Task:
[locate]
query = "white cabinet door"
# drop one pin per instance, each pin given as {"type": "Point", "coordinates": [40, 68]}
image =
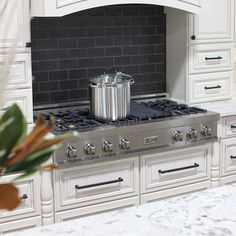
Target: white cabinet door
{"type": "Point", "coordinates": [14, 21]}
{"type": "Point", "coordinates": [215, 23]}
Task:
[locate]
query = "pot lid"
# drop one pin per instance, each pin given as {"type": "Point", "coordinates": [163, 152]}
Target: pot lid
{"type": "Point", "coordinates": [111, 77]}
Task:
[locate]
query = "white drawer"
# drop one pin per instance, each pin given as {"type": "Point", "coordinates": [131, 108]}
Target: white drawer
{"type": "Point", "coordinates": [211, 58]}
{"type": "Point", "coordinates": [228, 157]}
{"type": "Point", "coordinates": [210, 87]}
{"type": "Point", "coordinates": [19, 225]}
{"type": "Point", "coordinates": [19, 74]}
{"type": "Point", "coordinates": [230, 126]}
{"type": "Point", "coordinates": [30, 204]}
{"type": "Point", "coordinates": [96, 209]}
{"type": "Point", "coordinates": [23, 98]}
{"type": "Point", "coordinates": [174, 168]}
{"type": "Point", "coordinates": [174, 192]}
{"type": "Point", "coordinates": [96, 183]}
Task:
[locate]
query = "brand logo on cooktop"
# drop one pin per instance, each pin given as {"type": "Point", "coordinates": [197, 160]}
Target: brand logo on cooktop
{"type": "Point", "coordinates": [151, 140]}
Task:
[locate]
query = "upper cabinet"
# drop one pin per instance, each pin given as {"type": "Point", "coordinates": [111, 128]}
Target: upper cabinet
{"type": "Point", "coordinates": [65, 7]}
{"type": "Point", "coordinates": [215, 22]}
{"type": "Point", "coordinates": [14, 22]}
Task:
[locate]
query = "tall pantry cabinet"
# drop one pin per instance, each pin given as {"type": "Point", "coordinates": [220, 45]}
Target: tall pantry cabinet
{"type": "Point", "coordinates": [15, 22]}
{"type": "Point", "coordinates": [200, 53]}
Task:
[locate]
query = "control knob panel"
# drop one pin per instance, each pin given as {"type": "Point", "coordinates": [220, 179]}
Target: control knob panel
{"type": "Point", "coordinates": [124, 144]}
{"type": "Point", "coordinates": [178, 136]}
{"type": "Point", "coordinates": [90, 149]}
{"type": "Point", "coordinates": [192, 133]}
{"type": "Point", "coordinates": [107, 146]}
{"type": "Point", "coordinates": [206, 131]}
{"type": "Point", "coordinates": [71, 152]}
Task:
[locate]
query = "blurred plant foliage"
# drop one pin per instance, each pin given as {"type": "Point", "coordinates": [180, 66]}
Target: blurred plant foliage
{"type": "Point", "coordinates": [22, 152]}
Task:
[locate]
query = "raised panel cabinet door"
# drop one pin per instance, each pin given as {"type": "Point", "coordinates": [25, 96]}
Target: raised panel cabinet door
{"type": "Point", "coordinates": [14, 22]}
{"type": "Point", "coordinates": [215, 22]}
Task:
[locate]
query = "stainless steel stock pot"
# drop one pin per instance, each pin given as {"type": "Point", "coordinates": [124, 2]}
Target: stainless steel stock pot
{"type": "Point", "coordinates": [110, 95]}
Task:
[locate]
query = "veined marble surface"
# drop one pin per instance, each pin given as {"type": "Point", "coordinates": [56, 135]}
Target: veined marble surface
{"type": "Point", "coordinates": [208, 213]}
{"type": "Point", "coordinates": [225, 108]}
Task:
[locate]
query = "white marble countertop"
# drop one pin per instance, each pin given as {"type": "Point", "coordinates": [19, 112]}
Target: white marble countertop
{"type": "Point", "coordinates": [225, 108]}
{"type": "Point", "coordinates": [211, 213]}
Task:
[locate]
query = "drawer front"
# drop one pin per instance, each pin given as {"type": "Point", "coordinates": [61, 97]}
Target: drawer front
{"type": "Point", "coordinates": [96, 183]}
{"type": "Point", "coordinates": [10, 228]}
{"type": "Point", "coordinates": [210, 87]}
{"type": "Point", "coordinates": [230, 126]}
{"type": "Point", "coordinates": [174, 168]}
{"type": "Point", "coordinates": [23, 98]}
{"type": "Point", "coordinates": [19, 74]}
{"type": "Point", "coordinates": [30, 203]}
{"type": "Point", "coordinates": [228, 156]}
{"type": "Point", "coordinates": [174, 192]}
{"type": "Point", "coordinates": [96, 209]}
{"type": "Point", "coordinates": [211, 58]}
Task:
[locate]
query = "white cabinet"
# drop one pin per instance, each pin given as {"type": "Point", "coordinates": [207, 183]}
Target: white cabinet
{"type": "Point", "coordinates": [96, 209]}
{"type": "Point", "coordinates": [97, 183]}
{"type": "Point", "coordinates": [19, 74]}
{"type": "Point", "coordinates": [204, 58]}
{"type": "Point", "coordinates": [215, 23]}
{"type": "Point", "coordinates": [19, 225]}
{"type": "Point", "coordinates": [173, 192]}
{"type": "Point", "coordinates": [179, 167]}
{"type": "Point", "coordinates": [205, 48]}
{"type": "Point", "coordinates": [14, 21]}
{"type": "Point", "coordinates": [30, 194]}
{"type": "Point", "coordinates": [210, 87]}
{"type": "Point", "coordinates": [65, 7]}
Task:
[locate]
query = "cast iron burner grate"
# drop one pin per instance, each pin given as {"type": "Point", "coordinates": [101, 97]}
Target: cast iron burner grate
{"type": "Point", "coordinates": [81, 120]}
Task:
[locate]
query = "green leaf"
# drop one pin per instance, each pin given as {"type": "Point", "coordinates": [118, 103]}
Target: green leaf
{"type": "Point", "coordinates": [13, 129]}
{"type": "Point", "coordinates": [33, 160]}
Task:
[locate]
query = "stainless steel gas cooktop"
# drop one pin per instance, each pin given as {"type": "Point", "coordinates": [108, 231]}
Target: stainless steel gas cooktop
{"type": "Point", "coordinates": [150, 125]}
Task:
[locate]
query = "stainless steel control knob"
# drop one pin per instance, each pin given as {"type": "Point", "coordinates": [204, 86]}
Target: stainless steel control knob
{"type": "Point", "coordinates": [178, 136]}
{"type": "Point", "coordinates": [107, 146]}
{"type": "Point", "coordinates": [192, 134]}
{"type": "Point", "coordinates": [71, 152]}
{"type": "Point", "coordinates": [206, 131]}
{"type": "Point", "coordinates": [124, 144]}
{"type": "Point", "coordinates": [90, 149]}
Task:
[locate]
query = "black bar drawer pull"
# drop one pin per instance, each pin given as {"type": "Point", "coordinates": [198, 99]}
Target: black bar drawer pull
{"type": "Point", "coordinates": [178, 169]}
{"type": "Point", "coordinates": [233, 157]}
{"type": "Point", "coordinates": [213, 87]}
{"type": "Point", "coordinates": [24, 196]}
{"type": "Point", "coordinates": [233, 126]}
{"type": "Point", "coordinates": [100, 184]}
{"type": "Point", "coordinates": [213, 58]}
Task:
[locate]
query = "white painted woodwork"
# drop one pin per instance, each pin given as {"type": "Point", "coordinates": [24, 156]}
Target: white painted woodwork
{"type": "Point", "coordinates": [152, 180]}
{"type": "Point", "coordinates": [23, 224]}
{"type": "Point", "coordinates": [67, 196]}
{"type": "Point", "coordinates": [174, 192]}
{"type": "Point", "coordinates": [15, 16]}
{"type": "Point", "coordinates": [65, 7]}
{"type": "Point", "coordinates": [96, 209]}
{"type": "Point", "coordinates": [47, 199]}
{"type": "Point", "coordinates": [228, 151]}
{"type": "Point", "coordinates": [199, 54]}
{"type": "Point", "coordinates": [198, 84]}
{"type": "Point", "coordinates": [29, 207]}
{"type": "Point", "coordinates": [19, 74]}
{"type": "Point", "coordinates": [214, 23]}
{"type": "Point", "coordinates": [229, 130]}
{"type": "Point", "coordinates": [231, 179]}
{"type": "Point", "coordinates": [22, 97]}
{"type": "Point", "coordinates": [215, 164]}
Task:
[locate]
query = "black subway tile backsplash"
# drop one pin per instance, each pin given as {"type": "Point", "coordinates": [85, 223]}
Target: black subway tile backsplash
{"type": "Point", "coordinates": [67, 51]}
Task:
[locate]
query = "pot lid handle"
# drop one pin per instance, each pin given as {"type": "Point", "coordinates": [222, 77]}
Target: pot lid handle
{"type": "Point", "coordinates": [110, 71]}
